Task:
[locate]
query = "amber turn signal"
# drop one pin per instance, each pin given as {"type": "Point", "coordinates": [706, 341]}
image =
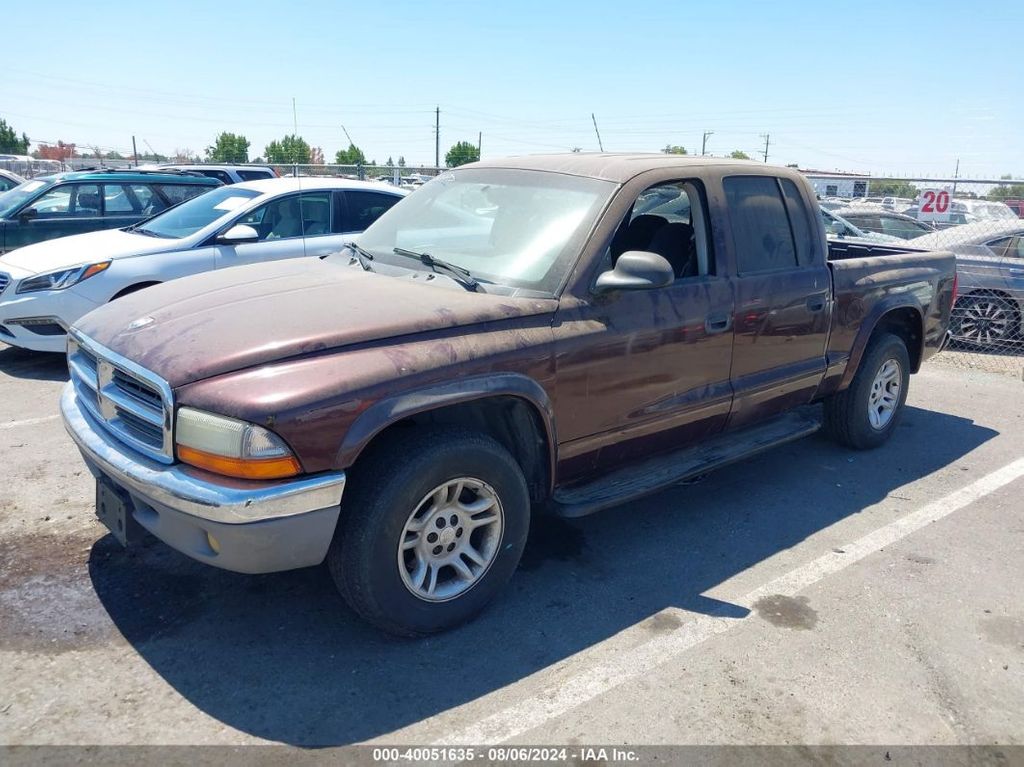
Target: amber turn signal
{"type": "Point", "coordinates": [243, 468]}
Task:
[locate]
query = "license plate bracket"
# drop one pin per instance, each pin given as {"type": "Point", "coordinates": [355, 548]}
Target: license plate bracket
{"type": "Point", "coordinates": [114, 509]}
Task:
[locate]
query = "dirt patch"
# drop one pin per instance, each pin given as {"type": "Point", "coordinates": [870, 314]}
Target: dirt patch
{"type": "Point", "coordinates": [1004, 630]}
{"type": "Point", "coordinates": [787, 612]}
{"type": "Point", "coordinates": [662, 623]}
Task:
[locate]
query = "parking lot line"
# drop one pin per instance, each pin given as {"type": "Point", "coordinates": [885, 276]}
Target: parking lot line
{"type": "Point", "coordinates": [574, 691]}
{"type": "Point", "coordinates": [29, 421]}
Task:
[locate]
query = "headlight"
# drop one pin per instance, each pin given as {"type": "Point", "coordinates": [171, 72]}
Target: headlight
{"type": "Point", "coordinates": [65, 278]}
{"type": "Point", "coordinates": [232, 447]}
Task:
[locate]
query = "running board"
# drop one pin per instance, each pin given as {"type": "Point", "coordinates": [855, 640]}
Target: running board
{"type": "Point", "coordinates": [654, 474]}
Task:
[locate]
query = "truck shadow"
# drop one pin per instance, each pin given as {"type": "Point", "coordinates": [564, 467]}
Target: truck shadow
{"type": "Point", "coordinates": [280, 657]}
{"type": "Point", "coordinates": [34, 366]}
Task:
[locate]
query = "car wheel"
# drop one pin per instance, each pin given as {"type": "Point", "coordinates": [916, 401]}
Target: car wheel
{"type": "Point", "coordinates": [984, 320]}
{"type": "Point", "coordinates": [864, 414]}
{"type": "Point", "coordinates": [432, 527]}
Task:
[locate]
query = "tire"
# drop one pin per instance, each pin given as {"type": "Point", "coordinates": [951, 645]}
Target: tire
{"type": "Point", "coordinates": [848, 414]}
{"type": "Point", "coordinates": [398, 486]}
{"type": "Point", "coordinates": [984, 320]}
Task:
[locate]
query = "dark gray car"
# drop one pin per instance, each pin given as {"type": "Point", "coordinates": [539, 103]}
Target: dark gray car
{"type": "Point", "coordinates": [990, 269]}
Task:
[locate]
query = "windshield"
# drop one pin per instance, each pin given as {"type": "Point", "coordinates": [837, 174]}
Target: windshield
{"type": "Point", "coordinates": [197, 213]}
{"type": "Point", "coordinates": [514, 227]}
{"type": "Point", "coordinates": [993, 212]}
{"type": "Point", "coordinates": [13, 199]}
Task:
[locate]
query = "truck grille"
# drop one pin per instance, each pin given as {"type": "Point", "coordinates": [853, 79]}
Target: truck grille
{"type": "Point", "coordinates": [134, 405]}
{"type": "Point", "coordinates": [5, 280]}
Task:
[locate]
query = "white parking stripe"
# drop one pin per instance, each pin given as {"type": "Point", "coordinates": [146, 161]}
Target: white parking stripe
{"type": "Point", "coordinates": [28, 421]}
{"type": "Point", "coordinates": [574, 691]}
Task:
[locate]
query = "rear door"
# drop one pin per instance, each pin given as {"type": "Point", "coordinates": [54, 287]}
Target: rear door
{"type": "Point", "coordinates": [357, 209]}
{"type": "Point", "coordinates": [783, 297]}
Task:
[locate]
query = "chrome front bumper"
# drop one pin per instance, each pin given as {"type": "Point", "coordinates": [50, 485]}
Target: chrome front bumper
{"type": "Point", "coordinates": [256, 527]}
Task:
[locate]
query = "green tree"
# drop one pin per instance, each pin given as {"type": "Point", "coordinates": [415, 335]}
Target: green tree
{"type": "Point", "coordinates": [460, 154]}
{"type": "Point", "coordinates": [401, 161]}
{"type": "Point", "coordinates": [893, 188]}
{"type": "Point", "coordinates": [291, 148]}
{"type": "Point", "coordinates": [228, 147]}
{"type": "Point", "coordinates": [1007, 192]}
{"type": "Point", "coordinates": [674, 149]}
{"type": "Point", "coordinates": [351, 156]}
{"type": "Point", "coordinates": [739, 155]}
{"type": "Point", "coordinates": [9, 141]}
{"type": "Point", "coordinates": [390, 163]}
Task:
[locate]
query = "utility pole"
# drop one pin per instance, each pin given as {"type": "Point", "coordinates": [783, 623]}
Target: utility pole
{"type": "Point", "coordinates": [479, 143]}
{"type": "Point", "coordinates": [767, 137]}
{"type": "Point", "coordinates": [599, 144]}
{"type": "Point", "coordinates": [956, 175]}
{"type": "Point", "coordinates": [704, 142]}
{"type": "Point", "coordinates": [350, 141]}
{"type": "Point", "coordinates": [295, 128]}
{"type": "Point", "coordinates": [437, 139]}
{"type": "Point", "coordinates": [135, 152]}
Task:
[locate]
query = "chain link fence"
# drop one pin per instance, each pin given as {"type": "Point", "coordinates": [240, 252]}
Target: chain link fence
{"type": "Point", "coordinates": [979, 220]}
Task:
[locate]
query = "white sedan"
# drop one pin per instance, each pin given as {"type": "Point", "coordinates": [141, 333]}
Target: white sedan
{"type": "Point", "coordinates": [45, 288]}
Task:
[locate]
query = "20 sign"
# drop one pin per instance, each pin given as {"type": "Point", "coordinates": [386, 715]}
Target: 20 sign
{"type": "Point", "coordinates": [933, 205]}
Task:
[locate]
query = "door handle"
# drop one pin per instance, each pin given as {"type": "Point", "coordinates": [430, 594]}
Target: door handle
{"type": "Point", "coordinates": [816, 303]}
{"type": "Point", "coordinates": [717, 323]}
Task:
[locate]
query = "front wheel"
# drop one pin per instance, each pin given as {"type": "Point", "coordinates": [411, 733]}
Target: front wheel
{"type": "Point", "coordinates": [864, 415]}
{"type": "Point", "coordinates": [432, 529]}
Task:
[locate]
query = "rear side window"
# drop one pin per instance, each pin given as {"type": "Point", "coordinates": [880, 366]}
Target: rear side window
{"type": "Point", "coordinates": [254, 175]}
{"type": "Point", "coordinates": [176, 193]}
{"type": "Point", "coordinates": [220, 175]}
{"type": "Point", "coordinates": [364, 208]}
{"type": "Point", "coordinates": [800, 222]}
{"type": "Point", "coordinates": [760, 226]}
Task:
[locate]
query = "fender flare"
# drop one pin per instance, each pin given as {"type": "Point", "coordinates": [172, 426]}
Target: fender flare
{"type": "Point", "coordinates": [867, 329]}
{"type": "Point", "coordinates": [391, 410]}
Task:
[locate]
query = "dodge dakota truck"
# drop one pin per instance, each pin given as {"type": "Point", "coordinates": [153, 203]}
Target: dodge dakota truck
{"type": "Point", "coordinates": [541, 335]}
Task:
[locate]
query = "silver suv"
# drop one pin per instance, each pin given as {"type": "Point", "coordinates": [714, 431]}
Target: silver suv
{"type": "Point", "coordinates": [228, 174]}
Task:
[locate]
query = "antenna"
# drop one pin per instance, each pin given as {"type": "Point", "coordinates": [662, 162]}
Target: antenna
{"type": "Point", "coordinates": [599, 144]}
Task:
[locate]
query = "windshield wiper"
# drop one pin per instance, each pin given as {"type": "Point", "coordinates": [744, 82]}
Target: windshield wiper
{"type": "Point", "coordinates": [457, 273]}
{"type": "Point", "coordinates": [150, 233]}
{"type": "Point", "coordinates": [364, 257]}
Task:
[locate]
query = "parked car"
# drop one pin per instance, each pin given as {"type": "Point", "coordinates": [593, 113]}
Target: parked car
{"type": "Point", "coordinates": [44, 288]}
{"type": "Point", "coordinates": [986, 210]}
{"type": "Point", "coordinates": [881, 221]}
{"type": "Point", "coordinates": [990, 268]}
{"type": "Point", "coordinates": [9, 180]}
{"type": "Point", "coordinates": [513, 336]}
{"type": "Point", "coordinates": [837, 226]}
{"type": "Point", "coordinates": [226, 174]}
{"type": "Point", "coordinates": [1017, 206]}
{"type": "Point", "coordinates": [48, 207]}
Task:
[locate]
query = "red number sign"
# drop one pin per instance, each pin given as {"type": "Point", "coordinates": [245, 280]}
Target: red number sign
{"type": "Point", "coordinates": [935, 202]}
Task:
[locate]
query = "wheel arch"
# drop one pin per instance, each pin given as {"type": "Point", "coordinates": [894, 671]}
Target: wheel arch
{"type": "Point", "coordinates": [512, 408]}
{"type": "Point", "coordinates": [134, 287]}
{"type": "Point", "coordinates": [904, 320]}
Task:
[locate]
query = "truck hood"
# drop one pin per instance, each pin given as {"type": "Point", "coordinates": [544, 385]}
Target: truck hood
{"type": "Point", "coordinates": [219, 322]}
{"type": "Point", "coordinates": [76, 249]}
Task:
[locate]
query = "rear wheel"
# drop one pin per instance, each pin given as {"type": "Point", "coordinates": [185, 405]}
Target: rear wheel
{"type": "Point", "coordinates": [864, 415]}
{"type": "Point", "coordinates": [432, 527]}
{"type": "Point", "coordinates": [984, 320]}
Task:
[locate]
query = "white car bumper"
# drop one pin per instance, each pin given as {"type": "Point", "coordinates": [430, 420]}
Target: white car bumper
{"type": "Point", "coordinates": [39, 321]}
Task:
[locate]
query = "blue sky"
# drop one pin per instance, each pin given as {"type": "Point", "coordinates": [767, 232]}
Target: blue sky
{"type": "Point", "coordinates": [894, 87]}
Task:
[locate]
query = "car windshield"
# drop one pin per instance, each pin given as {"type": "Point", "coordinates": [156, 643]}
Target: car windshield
{"type": "Point", "coordinates": [993, 212]}
{"type": "Point", "coordinates": [517, 228]}
{"type": "Point", "coordinates": [13, 199]}
{"type": "Point", "coordinates": [191, 216]}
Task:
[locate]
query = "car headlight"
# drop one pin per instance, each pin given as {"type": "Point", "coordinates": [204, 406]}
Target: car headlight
{"type": "Point", "coordinates": [65, 278]}
{"type": "Point", "coordinates": [232, 447]}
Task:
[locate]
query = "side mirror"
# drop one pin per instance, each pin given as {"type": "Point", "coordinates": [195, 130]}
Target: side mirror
{"type": "Point", "coordinates": [239, 234]}
{"type": "Point", "coordinates": [637, 270]}
{"type": "Point", "coordinates": [28, 214]}
{"type": "Point", "coordinates": [836, 228]}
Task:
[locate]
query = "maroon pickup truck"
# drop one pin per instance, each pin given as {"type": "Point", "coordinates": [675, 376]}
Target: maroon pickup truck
{"type": "Point", "coordinates": [552, 334]}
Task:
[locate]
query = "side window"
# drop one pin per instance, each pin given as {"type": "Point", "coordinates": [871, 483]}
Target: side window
{"type": "Point", "coordinates": [667, 219]}
{"type": "Point", "coordinates": [176, 193]}
{"type": "Point", "coordinates": [799, 220]}
{"type": "Point", "coordinates": [1004, 247]}
{"type": "Point", "coordinates": [69, 200]}
{"type": "Point", "coordinates": [760, 226]}
{"type": "Point", "coordinates": [291, 216]}
{"type": "Point", "coordinates": [121, 199]}
{"type": "Point", "coordinates": [220, 175]}
{"type": "Point", "coordinates": [364, 208]}
{"type": "Point", "coordinates": [254, 175]}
